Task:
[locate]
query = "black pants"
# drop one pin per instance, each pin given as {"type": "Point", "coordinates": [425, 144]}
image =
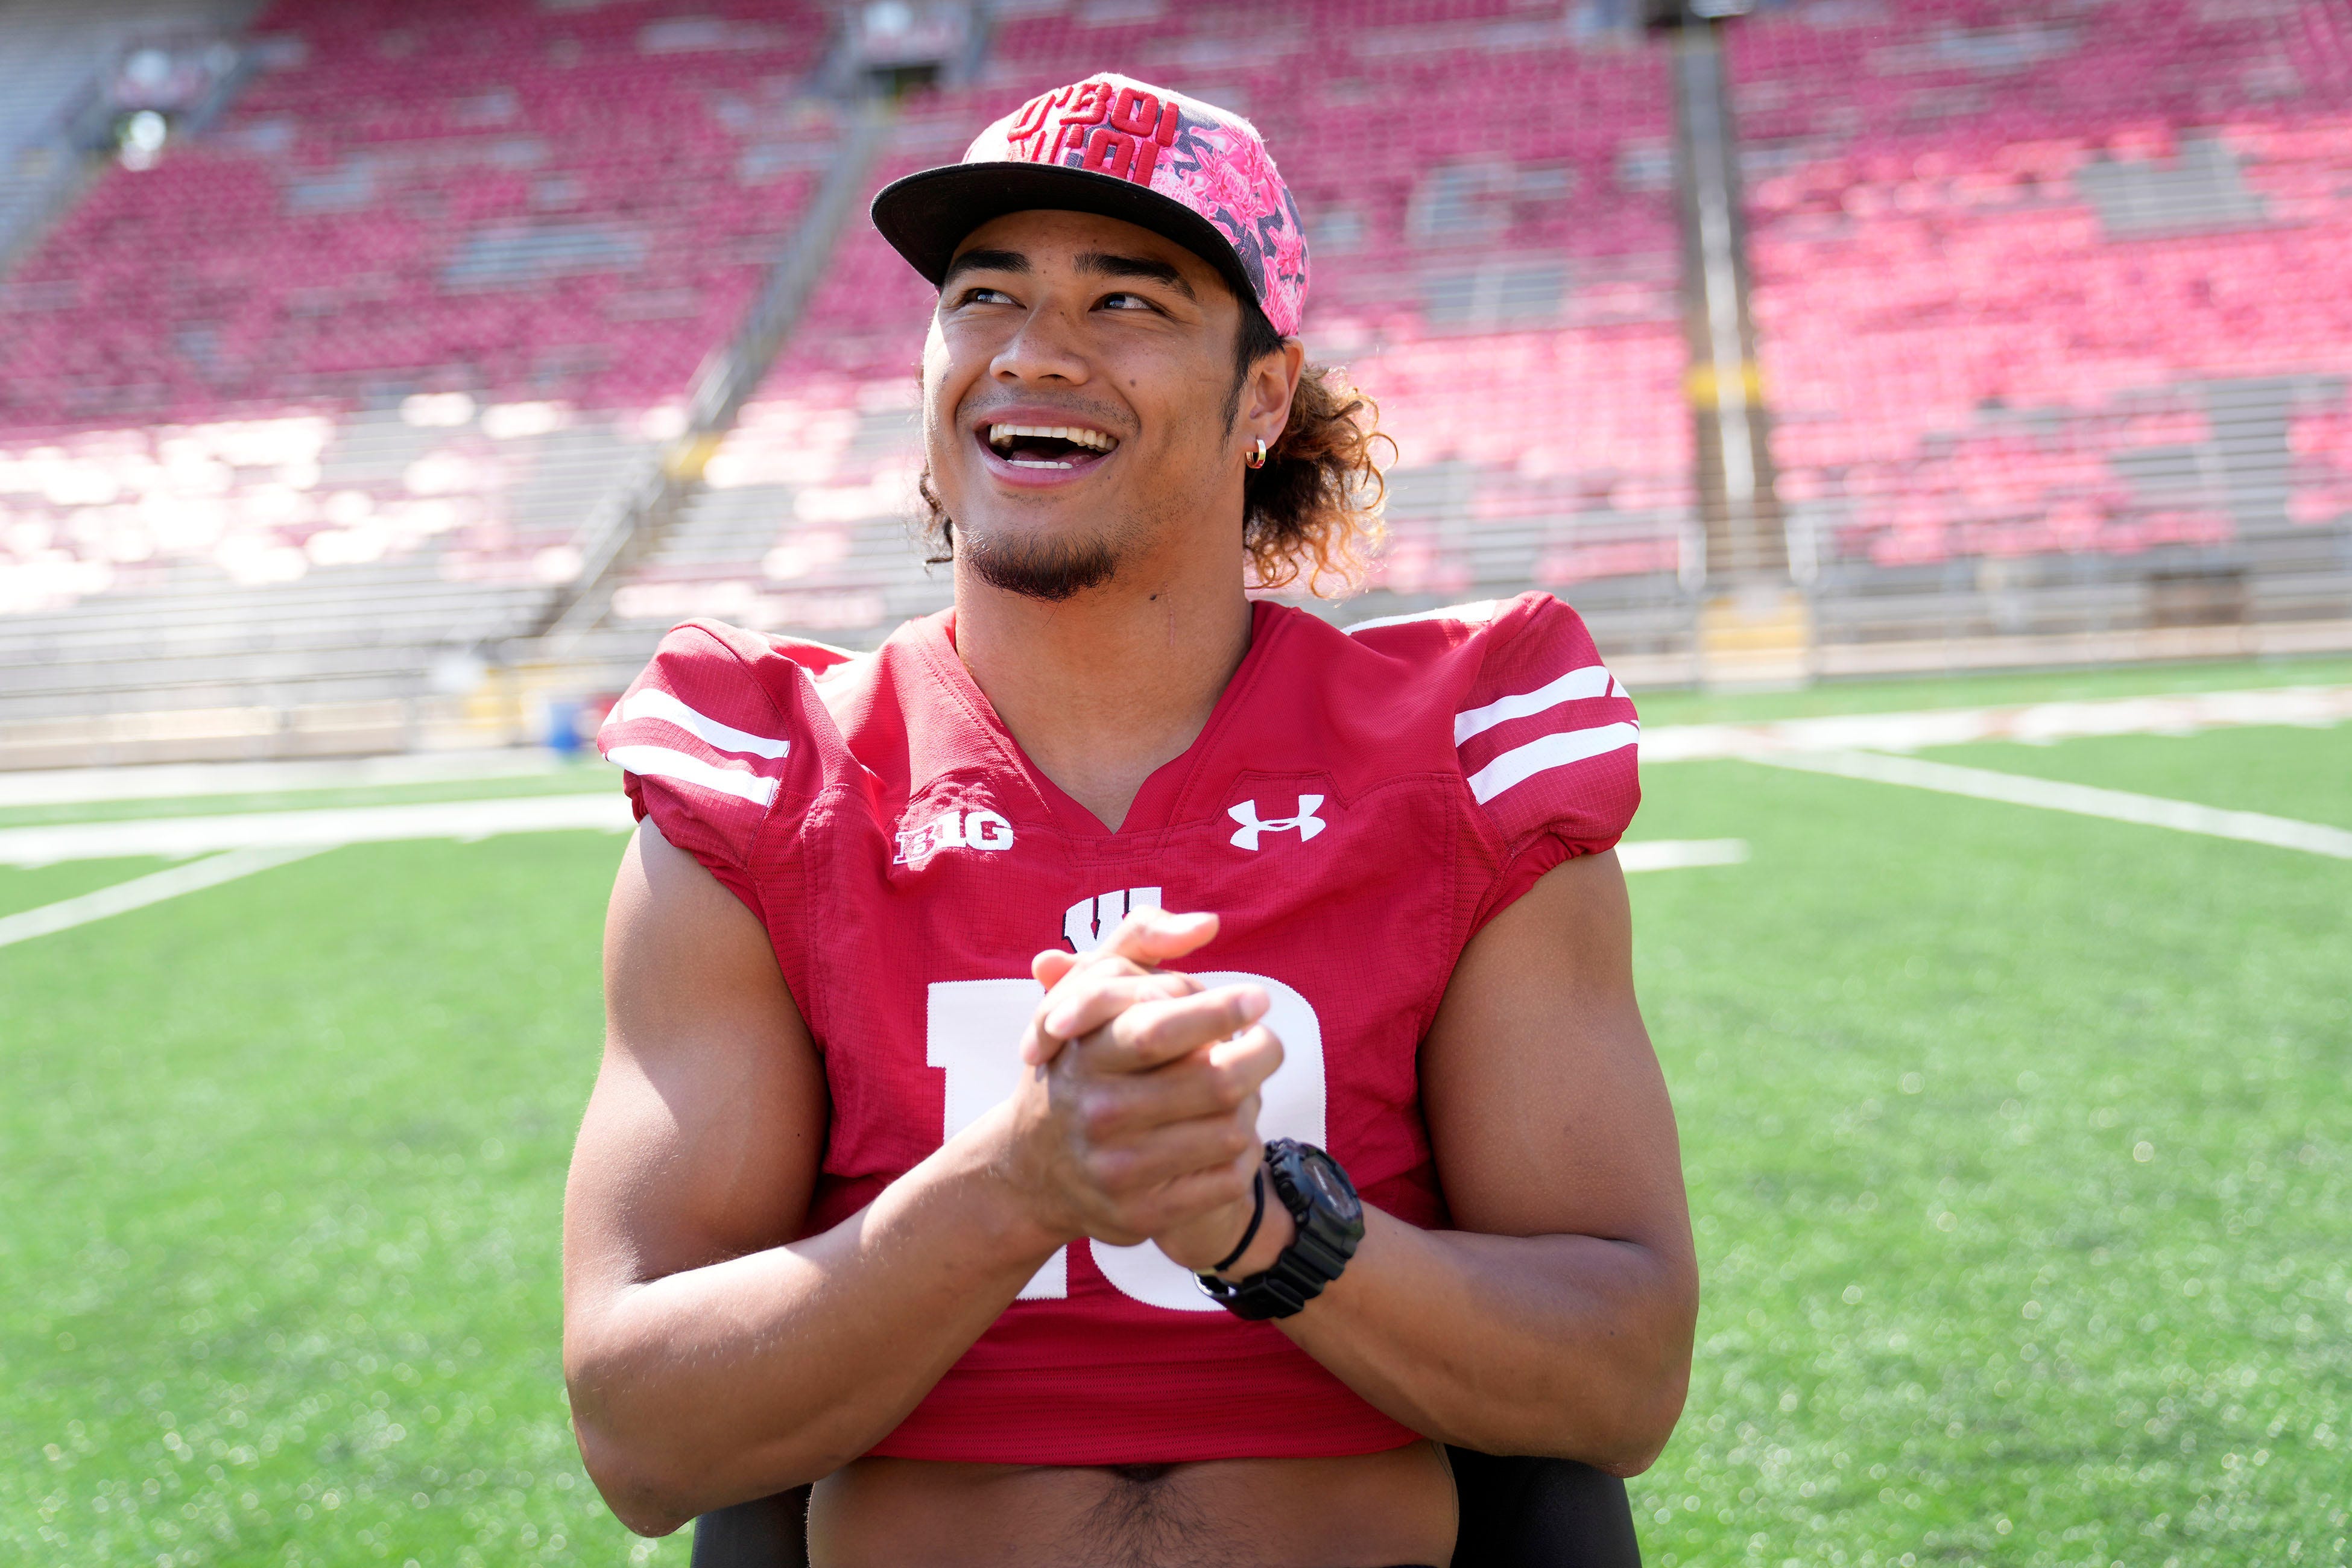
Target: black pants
{"type": "Point", "coordinates": [1516, 1513]}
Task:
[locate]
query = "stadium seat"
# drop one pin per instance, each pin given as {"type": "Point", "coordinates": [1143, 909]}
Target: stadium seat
{"type": "Point", "coordinates": [2043, 311]}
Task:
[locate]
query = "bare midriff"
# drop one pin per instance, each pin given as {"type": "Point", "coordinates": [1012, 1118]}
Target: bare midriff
{"type": "Point", "coordinates": [1366, 1510]}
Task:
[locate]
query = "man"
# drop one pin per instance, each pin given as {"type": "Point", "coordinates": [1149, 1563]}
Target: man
{"type": "Point", "coordinates": [1193, 1237]}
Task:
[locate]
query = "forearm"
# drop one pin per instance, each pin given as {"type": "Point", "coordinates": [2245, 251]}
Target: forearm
{"type": "Point", "coordinates": [716, 1384]}
{"type": "Point", "coordinates": [1564, 1345]}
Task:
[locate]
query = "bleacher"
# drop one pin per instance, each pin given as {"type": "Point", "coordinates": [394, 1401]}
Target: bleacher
{"type": "Point", "coordinates": [317, 404]}
{"type": "Point", "coordinates": [1517, 220]}
{"type": "Point", "coordinates": [2052, 309]}
{"type": "Point", "coordinates": [2047, 312]}
{"type": "Point", "coordinates": [2049, 308]}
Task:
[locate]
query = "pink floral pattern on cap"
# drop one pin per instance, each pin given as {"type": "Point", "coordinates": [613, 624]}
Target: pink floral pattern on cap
{"type": "Point", "coordinates": [1192, 152]}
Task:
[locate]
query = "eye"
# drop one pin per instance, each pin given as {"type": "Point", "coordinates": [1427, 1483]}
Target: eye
{"type": "Point", "coordinates": [1125, 301]}
{"type": "Point", "coordinates": [984, 296]}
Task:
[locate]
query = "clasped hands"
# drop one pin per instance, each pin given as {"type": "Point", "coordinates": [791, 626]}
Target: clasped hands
{"type": "Point", "coordinates": [1137, 1117]}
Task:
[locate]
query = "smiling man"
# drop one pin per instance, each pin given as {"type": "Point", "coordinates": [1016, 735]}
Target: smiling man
{"type": "Point", "coordinates": [936, 1159]}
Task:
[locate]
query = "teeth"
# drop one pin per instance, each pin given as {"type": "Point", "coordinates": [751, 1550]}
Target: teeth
{"type": "Point", "coordinates": [1001, 436]}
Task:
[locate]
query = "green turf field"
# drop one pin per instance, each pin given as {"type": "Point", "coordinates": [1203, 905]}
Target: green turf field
{"type": "Point", "coordinates": [2020, 1146]}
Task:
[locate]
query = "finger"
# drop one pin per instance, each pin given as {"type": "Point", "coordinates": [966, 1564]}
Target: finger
{"type": "Point", "coordinates": [1062, 965]}
{"type": "Point", "coordinates": [1150, 1034]}
{"type": "Point", "coordinates": [1127, 1107]}
{"type": "Point", "coordinates": [1133, 1168]}
{"type": "Point", "coordinates": [1223, 1079]}
{"type": "Point", "coordinates": [1087, 1000]}
{"type": "Point", "coordinates": [1251, 1056]}
{"type": "Point", "coordinates": [1155, 936]}
{"type": "Point", "coordinates": [1053, 968]}
{"type": "Point", "coordinates": [1051, 965]}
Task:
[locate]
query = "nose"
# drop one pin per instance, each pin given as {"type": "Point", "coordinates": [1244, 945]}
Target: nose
{"type": "Point", "coordinates": [1043, 347]}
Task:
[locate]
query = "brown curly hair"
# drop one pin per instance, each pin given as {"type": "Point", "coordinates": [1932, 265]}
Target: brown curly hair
{"type": "Point", "coordinates": [1313, 511]}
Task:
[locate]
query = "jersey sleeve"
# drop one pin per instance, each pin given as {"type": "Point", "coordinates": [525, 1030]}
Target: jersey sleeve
{"type": "Point", "coordinates": [704, 749]}
{"type": "Point", "coordinates": [1547, 740]}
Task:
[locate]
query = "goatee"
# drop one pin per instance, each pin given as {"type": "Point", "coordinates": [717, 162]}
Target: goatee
{"type": "Point", "coordinates": [1048, 569]}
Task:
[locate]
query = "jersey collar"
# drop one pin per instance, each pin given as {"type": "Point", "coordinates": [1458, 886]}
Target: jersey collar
{"type": "Point", "coordinates": [1157, 802]}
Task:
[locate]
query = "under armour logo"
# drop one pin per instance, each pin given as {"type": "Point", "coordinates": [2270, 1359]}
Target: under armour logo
{"type": "Point", "coordinates": [1091, 921]}
{"type": "Point", "coordinates": [1307, 822]}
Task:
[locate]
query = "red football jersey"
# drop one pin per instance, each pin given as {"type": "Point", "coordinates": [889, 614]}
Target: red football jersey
{"type": "Point", "coordinates": [1357, 806]}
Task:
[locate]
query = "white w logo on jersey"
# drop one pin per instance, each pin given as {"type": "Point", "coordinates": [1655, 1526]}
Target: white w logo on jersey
{"type": "Point", "coordinates": [1307, 824]}
{"type": "Point", "coordinates": [1091, 921]}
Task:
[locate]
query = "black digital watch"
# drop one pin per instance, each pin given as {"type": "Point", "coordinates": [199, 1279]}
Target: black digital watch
{"type": "Point", "coordinates": [1331, 1220]}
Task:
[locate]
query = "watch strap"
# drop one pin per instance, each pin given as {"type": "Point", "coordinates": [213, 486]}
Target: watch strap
{"type": "Point", "coordinates": [1327, 1239]}
{"type": "Point", "coordinates": [1258, 1219]}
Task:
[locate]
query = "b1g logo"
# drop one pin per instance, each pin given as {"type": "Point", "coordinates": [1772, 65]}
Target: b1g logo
{"type": "Point", "coordinates": [952, 830]}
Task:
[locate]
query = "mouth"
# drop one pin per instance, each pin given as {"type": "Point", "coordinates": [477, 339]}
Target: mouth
{"type": "Point", "coordinates": [1047, 449]}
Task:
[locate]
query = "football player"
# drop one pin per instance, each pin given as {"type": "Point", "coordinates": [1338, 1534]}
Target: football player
{"type": "Point", "coordinates": [1126, 1071]}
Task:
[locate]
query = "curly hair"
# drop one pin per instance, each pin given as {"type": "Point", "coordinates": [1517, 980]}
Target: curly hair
{"type": "Point", "coordinates": [1313, 511]}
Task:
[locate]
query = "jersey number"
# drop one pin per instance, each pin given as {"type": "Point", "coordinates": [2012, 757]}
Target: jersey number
{"type": "Point", "coordinates": [975, 1037]}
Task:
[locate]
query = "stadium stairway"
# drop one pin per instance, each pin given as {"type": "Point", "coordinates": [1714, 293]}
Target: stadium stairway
{"type": "Point", "coordinates": [53, 56]}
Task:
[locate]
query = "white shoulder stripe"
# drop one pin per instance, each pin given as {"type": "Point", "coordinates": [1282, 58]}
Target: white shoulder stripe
{"type": "Point", "coordinates": [1593, 681]}
{"type": "Point", "coordinates": [1523, 762]}
{"type": "Point", "coordinates": [661, 762]}
{"type": "Point", "coordinates": [650, 703]}
{"type": "Point", "coordinates": [1473, 614]}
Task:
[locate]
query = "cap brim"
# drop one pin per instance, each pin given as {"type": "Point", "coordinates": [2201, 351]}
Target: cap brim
{"type": "Point", "coordinates": [928, 214]}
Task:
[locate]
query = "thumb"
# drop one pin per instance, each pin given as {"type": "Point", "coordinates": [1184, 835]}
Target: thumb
{"type": "Point", "coordinates": [1050, 968]}
{"type": "Point", "coordinates": [1151, 937]}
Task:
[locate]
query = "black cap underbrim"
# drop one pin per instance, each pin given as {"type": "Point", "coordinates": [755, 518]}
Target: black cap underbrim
{"type": "Point", "coordinates": [928, 214]}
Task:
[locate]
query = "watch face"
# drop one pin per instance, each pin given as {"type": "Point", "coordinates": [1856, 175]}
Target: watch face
{"type": "Point", "coordinates": [1333, 1190]}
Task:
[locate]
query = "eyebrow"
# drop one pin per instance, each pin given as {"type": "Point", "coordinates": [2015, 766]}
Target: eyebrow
{"type": "Point", "coordinates": [984, 261]}
{"type": "Point", "coordinates": [1102, 264]}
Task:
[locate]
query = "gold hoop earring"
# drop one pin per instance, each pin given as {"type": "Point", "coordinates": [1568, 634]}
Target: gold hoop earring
{"type": "Point", "coordinates": [1257, 459]}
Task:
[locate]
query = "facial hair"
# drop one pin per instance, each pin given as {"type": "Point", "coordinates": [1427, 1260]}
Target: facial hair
{"type": "Point", "coordinates": [1050, 570]}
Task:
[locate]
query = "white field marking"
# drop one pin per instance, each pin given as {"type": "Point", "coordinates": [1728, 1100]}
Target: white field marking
{"type": "Point", "coordinates": [167, 781]}
{"type": "Point", "coordinates": [1674, 854]}
{"type": "Point", "coordinates": [178, 838]}
{"type": "Point", "coordinates": [154, 889]}
{"type": "Point", "coordinates": [2083, 800]}
{"type": "Point", "coordinates": [2037, 725]}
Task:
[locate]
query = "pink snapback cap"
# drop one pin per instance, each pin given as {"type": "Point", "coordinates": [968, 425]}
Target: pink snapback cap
{"type": "Point", "coordinates": [1110, 144]}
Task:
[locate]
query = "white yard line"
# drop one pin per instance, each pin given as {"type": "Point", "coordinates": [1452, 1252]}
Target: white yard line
{"type": "Point", "coordinates": [1674, 854]}
{"type": "Point", "coordinates": [140, 891]}
{"type": "Point", "coordinates": [2083, 800]}
{"type": "Point", "coordinates": [180, 836]}
{"type": "Point", "coordinates": [166, 781]}
{"type": "Point", "coordinates": [2035, 724]}
{"type": "Point", "coordinates": [177, 837]}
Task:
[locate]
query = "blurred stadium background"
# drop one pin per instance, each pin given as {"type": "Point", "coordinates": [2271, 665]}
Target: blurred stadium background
{"type": "Point", "coordinates": [378, 380]}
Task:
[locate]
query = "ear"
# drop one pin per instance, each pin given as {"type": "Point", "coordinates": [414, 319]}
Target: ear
{"type": "Point", "coordinates": [1265, 396]}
